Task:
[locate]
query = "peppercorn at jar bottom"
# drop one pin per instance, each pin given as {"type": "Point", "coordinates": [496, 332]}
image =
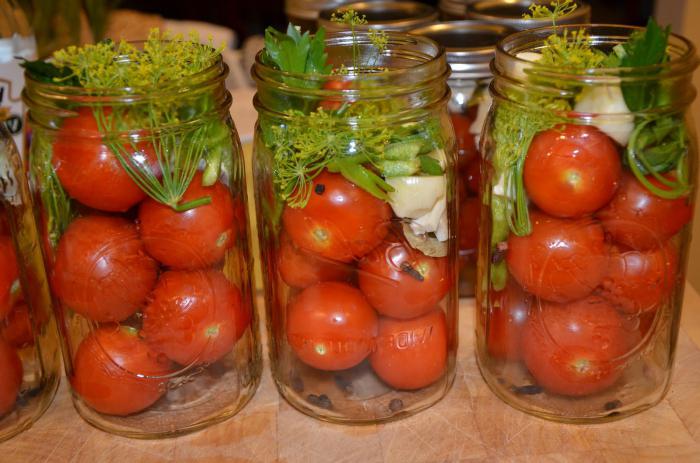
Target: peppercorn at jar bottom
{"type": "Point", "coordinates": [589, 189]}
{"type": "Point", "coordinates": [355, 220]}
{"type": "Point", "coordinates": [139, 184]}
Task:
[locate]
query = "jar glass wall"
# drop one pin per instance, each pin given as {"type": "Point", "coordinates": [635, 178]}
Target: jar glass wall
{"type": "Point", "coordinates": [29, 348]}
{"type": "Point", "coordinates": [360, 253]}
{"type": "Point", "coordinates": [585, 226]}
{"type": "Point", "coordinates": [142, 206]}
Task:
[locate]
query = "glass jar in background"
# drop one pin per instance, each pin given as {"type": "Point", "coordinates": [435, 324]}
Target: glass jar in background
{"type": "Point", "coordinates": [141, 198]}
{"type": "Point", "coordinates": [469, 46]}
{"type": "Point", "coordinates": [30, 365]}
{"type": "Point", "coordinates": [304, 13]}
{"type": "Point", "coordinates": [589, 188]}
{"type": "Point", "coordinates": [383, 15]}
{"type": "Point", "coordinates": [16, 41]}
{"type": "Point", "coordinates": [356, 216]}
{"type": "Point", "coordinates": [451, 10]}
{"type": "Point", "coordinates": [510, 13]}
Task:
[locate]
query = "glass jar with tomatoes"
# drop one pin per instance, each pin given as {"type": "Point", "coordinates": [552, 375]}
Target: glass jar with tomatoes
{"type": "Point", "coordinates": [30, 364]}
{"type": "Point", "coordinates": [354, 167]}
{"type": "Point", "coordinates": [469, 47]}
{"type": "Point", "coordinates": [138, 186]}
{"type": "Point", "coordinates": [589, 185]}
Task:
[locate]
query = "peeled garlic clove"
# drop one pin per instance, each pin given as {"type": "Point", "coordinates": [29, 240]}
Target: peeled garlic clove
{"type": "Point", "coordinates": [415, 196]}
{"type": "Point", "coordinates": [615, 118]}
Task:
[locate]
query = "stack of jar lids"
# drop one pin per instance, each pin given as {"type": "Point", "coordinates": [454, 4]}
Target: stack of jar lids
{"type": "Point", "coordinates": [384, 15]}
{"type": "Point", "coordinates": [510, 13]}
{"type": "Point", "coordinates": [469, 45]}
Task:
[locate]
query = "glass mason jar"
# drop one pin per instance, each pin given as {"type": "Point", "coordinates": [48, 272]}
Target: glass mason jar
{"type": "Point", "coordinates": [304, 13]}
{"type": "Point", "coordinates": [153, 298]}
{"type": "Point", "coordinates": [588, 196]}
{"type": "Point", "coordinates": [29, 350]}
{"type": "Point", "coordinates": [510, 13]}
{"type": "Point", "coordinates": [469, 46]}
{"type": "Point", "coordinates": [360, 274]}
{"type": "Point", "coordinates": [383, 15]}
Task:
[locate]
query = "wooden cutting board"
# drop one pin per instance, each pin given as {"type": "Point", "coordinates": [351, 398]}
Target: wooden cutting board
{"type": "Point", "coordinates": [470, 424]}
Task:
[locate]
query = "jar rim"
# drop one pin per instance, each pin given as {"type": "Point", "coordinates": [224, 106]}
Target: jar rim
{"type": "Point", "coordinates": [508, 48]}
{"type": "Point", "coordinates": [412, 14]}
{"type": "Point", "coordinates": [345, 38]}
{"type": "Point", "coordinates": [478, 9]}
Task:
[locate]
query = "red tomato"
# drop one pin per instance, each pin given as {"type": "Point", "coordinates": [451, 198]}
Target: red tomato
{"type": "Point", "coordinates": [561, 260]}
{"type": "Point", "coordinates": [469, 215]}
{"type": "Point", "coordinates": [16, 329]}
{"type": "Point", "coordinates": [101, 269]}
{"type": "Point", "coordinates": [472, 174]}
{"type": "Point", "coordinates": [411, 354]}
{"type": "Point", "coordinates": [641, 220]}
{"type": "Point", "coordinates": [466, 145]}
{"type": "Point", "coordinates": [11, 377]}
{"type": "Point", "coordinates": [116, 373]}
{"type": "Point", "coordinates": [575, 349]}
{"type": "Point", "coordinates": [193, 239]}
{"type": "Point", "coordinates": [334, 105]}
{"type": "Point", "coordinates": [639, 281]}
{"type": "Point", "coordinates": [300, 269]}
{"type": "Point", "coordinates": [571, 170]}
{"type": "Point", "coordinates": [90, 172]}
{"type": "Point", "coordinates": [194, 317]}
{"type": "Point", "coordinates": [331, 326]}
{"type": "Point", "coordinates": [9, 275]}
{"type": "Point", "coordinates": [401, 282]}
{"type": "Point", "coordinates": [341, 221]}
{"type": "Point", "coordinates": [509, 312]}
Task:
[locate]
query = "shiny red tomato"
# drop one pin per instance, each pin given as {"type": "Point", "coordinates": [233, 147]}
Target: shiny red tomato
{"type": "Point", "coordinates": [561, 260]}
{"type": "Point", "coordinates": [571, 170]}
{"type": "Point", "coordinates": [10, 377]}
{"type": "Point", "coordinates": [194, 317]}
{"type": "Point", "coordinates": [466, 145]}
{"type": "Point", "coordinates": [469, 216]}
{"type": "Point", "coordinates": [300, 268]}
{"type": "Point", "coordinates": [411, 354]}
{"type": "Point", "coordinates": [641, 220]}
{"type": "Point", "coordinates": [116, 373]}
{"type": "Point", "coordinates": [331, 326]}
{"type": "Point", "coordinates": [9, 275]}
{"type": "Point", "coordinates": [575, 349]}
{"type": "Point", "coordinates": [16, 329]}
{"type": "Point", "coordinates": [472, 175]}
{"type": "Point", "coordinates": [402, 282]}
{"type": "Point", "coordinates": [509, 312]}
{"type": "Point", "coordinates": [91, 172]}
{"type": "Point", "coordinates": [197, 238]}
{"type": "Point", "coordinates": [334, 105]}
{"type": "Point", "coordinates": [639, 281]}
{"type": "Point", "coordinates": [341, 221]}
{"type": "Point", "coordinates": [102, 271]}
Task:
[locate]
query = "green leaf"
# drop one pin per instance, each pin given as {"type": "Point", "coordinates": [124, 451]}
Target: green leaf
{"type": "Point", "coordinates": [430, 165]}
{"type": "Point", "coordinates": [47, 72]}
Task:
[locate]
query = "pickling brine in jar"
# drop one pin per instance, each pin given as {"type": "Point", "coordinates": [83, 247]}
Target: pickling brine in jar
{"type": "Point", "coordinates": [354, 162]}
{"type": "Point", "coordinates": [138, 185]}
{"type": "Point", "coordinates": [590, 182]}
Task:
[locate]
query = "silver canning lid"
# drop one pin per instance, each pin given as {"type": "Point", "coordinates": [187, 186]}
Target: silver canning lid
{"type": "Point", "coordinates": [510, 13]}
{"type": "Point", "coordinates": [454, 7]}
{"type": "Point", "coordinates": [469, 45]}
{"type": "Point", "coordinates": [309, 9]}
{"type": "Point", "coordinates": [383, 15]}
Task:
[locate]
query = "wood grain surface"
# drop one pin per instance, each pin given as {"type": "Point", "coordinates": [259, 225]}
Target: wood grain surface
{"type": "Point", "coordinates": [470, 424]}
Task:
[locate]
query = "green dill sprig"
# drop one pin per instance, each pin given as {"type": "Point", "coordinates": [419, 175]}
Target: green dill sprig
{"type": "Point", "coordinates": [351, 18]}
{"type": "Point", "coordinates": [571, 50]}
{"type": "Point", "coordinates": [556, 9]}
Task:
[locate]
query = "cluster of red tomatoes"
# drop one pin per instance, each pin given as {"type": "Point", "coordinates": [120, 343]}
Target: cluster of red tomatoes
{"type": "Point", "coordinates": [601, 259]}
{"type": "Point", "coordinates": [150, 279]}
{"type": "Point", "coordinates": [468, 177]}
{"type": "Point", "coordinates": [15, 326]}
{"type": "Point", "coordinates": [359, 291]}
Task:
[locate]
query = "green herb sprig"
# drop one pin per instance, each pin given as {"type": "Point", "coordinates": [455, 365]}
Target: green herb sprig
{"type": "Point", "coordinates": [555, 10]}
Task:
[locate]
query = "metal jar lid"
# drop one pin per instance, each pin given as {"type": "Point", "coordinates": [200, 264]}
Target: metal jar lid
{"type": "Point", "coordinates": [510, 13]}
{"type": "Point", "coordinates": [469, 45]}
{"type": "Point", "coordinates": [384, 15]}
{"type": "Point", "coordinates": [309, 9]}
{"type": "Point", "coordinates": [457, 8]}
